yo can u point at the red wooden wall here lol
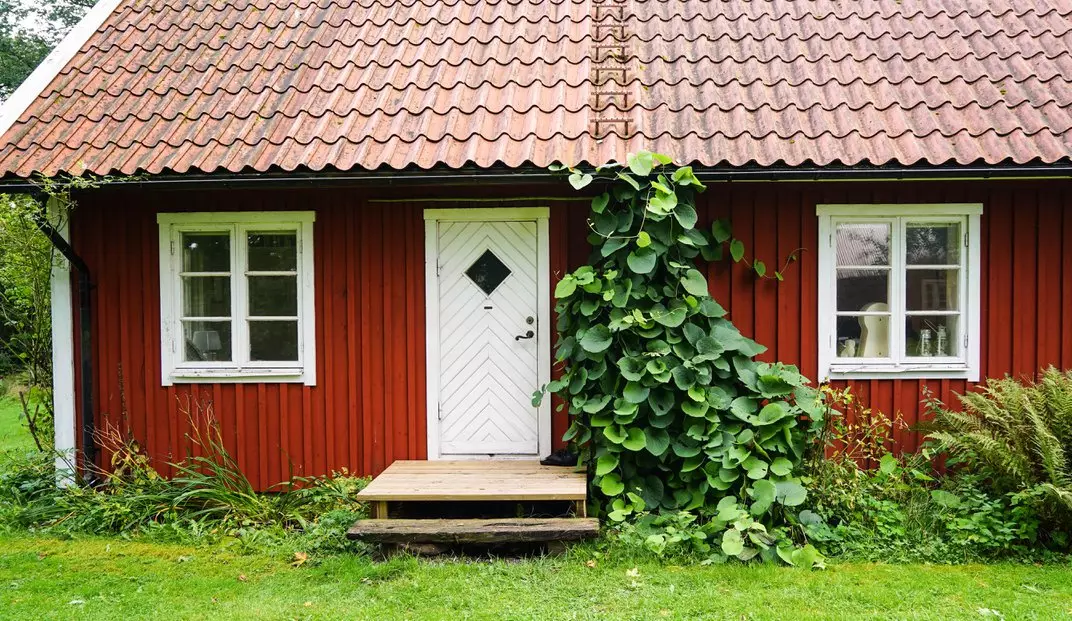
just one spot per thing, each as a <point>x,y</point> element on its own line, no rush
<point>368,407</point>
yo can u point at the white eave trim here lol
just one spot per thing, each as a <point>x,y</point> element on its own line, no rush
<point>57,59</point>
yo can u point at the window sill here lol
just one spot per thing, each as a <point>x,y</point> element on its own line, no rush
<point>873,372</point>
<point>239,376</point>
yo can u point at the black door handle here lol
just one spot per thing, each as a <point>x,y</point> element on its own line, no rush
<point>527,335</point>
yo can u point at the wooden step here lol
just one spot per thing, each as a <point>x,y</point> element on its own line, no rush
<point>504,530</point>
<point>475,481</point>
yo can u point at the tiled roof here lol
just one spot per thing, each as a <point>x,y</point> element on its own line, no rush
<point>211,85</point>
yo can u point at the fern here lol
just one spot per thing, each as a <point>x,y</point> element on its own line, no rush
<point>1018,435</point>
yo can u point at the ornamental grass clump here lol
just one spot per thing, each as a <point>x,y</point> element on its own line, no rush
<point>667,401</point>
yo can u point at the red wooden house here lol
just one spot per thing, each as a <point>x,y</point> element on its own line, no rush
<point>334,220</point>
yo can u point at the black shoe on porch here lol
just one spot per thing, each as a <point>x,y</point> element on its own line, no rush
<point>561,457</point>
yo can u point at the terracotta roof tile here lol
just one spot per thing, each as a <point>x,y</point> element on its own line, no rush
<point>208,85</point>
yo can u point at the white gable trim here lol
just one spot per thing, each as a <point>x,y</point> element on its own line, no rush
<point>57,59</point>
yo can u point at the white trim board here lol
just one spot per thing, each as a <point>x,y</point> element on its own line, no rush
<point>432,218</point>
<point>50,67</point>
<point>63,355</point>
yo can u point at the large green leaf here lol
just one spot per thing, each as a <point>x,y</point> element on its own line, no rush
<point>615,433</point>
<point>642,260</point>
<point>599,203</point>
<point>732,542</point>
<point>635,392</point>
<point>772,413</point>
<point>694,282</point>
<point>612,245</point>
<point>791,494</point>
<point>579,180</point>
<point>737,250</point>
<point>781,466</point>
<point>640,164</point>
<point>721,231</point>
<point>596,339</point>
<point>663,203</point>
<point>636,440</point>
<point>684,377</point>
<point>685,215</point>
<point>632,368</point>
<point>661,401</point>
<point>658,440</point>
<point>611,485</point>
<point>565,287</point>
<point>606,464</point>
<point>743,407</point>
<point>670,318</point>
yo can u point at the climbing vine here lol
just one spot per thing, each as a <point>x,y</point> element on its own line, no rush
<point>667,402</point>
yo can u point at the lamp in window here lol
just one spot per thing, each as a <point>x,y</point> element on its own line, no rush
<point>208,343</point>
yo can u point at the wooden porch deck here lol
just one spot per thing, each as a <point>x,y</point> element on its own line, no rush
<point>407,484</point>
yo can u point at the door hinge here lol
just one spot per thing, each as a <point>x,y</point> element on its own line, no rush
<point>965,341</point>
<point>440,411</point>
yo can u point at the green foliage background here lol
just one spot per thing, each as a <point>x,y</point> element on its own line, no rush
<point>664,392</point>
<point>28,31</point>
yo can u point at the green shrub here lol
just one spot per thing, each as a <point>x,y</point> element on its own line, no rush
<point>210,498</point>
<point>1017,436</point>
<point>666,398</point>
<point>904,509</point>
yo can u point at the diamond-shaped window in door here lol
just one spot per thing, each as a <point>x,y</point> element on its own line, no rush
<point>488,272</point>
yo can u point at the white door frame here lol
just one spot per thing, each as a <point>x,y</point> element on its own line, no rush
<point>432,218</point>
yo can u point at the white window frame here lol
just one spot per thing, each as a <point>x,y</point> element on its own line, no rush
<point>174,368</point>
<point>898,366</point>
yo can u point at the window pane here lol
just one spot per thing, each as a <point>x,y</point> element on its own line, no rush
<point>273,296</point>
<point>273,252</point>
<point>863,244</point>
<point>863,337</point>
<point>933,244</point>
<point>206,296</point>
<point>207,340</point>
<point>273,340</point>
<point>930,290</point>
<point>206,252</point>
<point>932,336</point>
<point>862,290</point>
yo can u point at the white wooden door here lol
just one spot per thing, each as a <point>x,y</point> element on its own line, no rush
<point>489,338</point>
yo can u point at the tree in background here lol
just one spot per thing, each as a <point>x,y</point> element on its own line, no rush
<point>28,31</point>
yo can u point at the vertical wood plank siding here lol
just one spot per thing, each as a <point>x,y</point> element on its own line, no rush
<point>368,407</point>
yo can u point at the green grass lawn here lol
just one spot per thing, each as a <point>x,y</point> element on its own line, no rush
<point>113,579</point>
<point>13,434</point>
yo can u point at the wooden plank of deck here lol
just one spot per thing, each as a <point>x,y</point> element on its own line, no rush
<point>503,530</point>
<point>475,480</point>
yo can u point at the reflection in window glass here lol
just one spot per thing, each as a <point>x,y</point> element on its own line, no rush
<point>863,336</point>
<point>207,341</point>
<point>272,252</point>
<point>206,296</point>
<point>273,340</point>
<point>273,296</point>
<point>863,243</point>
<point>932,244</point>
<point>932,336</point>
<point>857,289</point>
<point>932,290</point>
<point>206,252</point>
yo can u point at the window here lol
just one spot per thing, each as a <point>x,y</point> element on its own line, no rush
<point>899,291</point>
<point>236,296</point>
